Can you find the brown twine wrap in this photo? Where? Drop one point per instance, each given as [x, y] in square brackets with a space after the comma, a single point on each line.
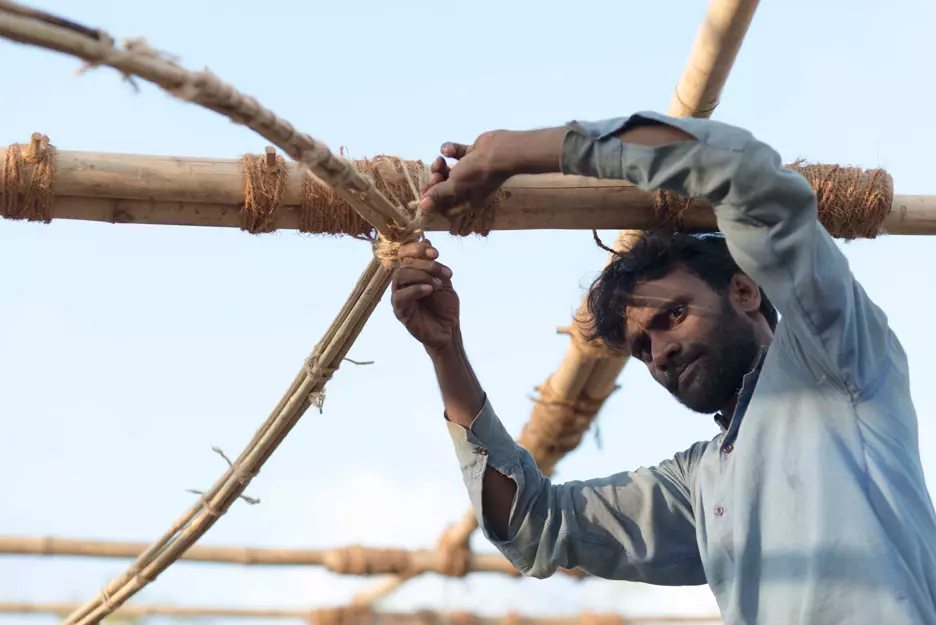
[852, 202]
[556, 425]
[359, 560]
[596, 618]
[324, 212]
[455, 555]
[30, 199]
[463, 618]
[264, 187]
[345, 615]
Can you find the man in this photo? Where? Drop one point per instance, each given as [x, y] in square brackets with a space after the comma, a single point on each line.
[810, 506]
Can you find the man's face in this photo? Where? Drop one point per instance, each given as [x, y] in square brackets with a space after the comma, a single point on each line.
[695, 342]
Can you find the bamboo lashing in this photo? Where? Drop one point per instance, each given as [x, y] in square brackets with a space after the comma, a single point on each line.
[348, 560]
[570, 399]
[163, 190]
[391, 222]
[353, 615]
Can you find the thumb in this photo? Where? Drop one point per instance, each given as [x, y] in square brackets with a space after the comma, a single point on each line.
[456, 150]
[440, 197]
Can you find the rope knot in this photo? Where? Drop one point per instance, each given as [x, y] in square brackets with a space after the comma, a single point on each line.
[31, 197]
[455, 556]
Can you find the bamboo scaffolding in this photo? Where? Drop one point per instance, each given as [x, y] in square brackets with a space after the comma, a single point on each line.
[351, 616]
[138, 59]
[169, 190]
[574, 394]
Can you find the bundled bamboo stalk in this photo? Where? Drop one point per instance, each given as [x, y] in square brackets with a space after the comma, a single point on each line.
[390, 221]
[357, 616]
[169, 190]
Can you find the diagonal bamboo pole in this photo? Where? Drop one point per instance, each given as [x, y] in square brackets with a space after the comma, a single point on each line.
[352, 616]
[138, 59]
[587, 376]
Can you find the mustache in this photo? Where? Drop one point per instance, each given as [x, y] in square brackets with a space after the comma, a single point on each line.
[671, 376]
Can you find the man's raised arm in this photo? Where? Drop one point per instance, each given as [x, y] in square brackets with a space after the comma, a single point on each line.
[769, 217]
[767, 213]
[636, 526]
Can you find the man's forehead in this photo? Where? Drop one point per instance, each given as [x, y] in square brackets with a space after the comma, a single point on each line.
[649, 296]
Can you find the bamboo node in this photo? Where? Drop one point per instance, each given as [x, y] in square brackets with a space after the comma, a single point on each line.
[358, 560]
[31, 198]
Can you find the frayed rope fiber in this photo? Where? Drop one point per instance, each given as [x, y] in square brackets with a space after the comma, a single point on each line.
[853, 202]
[28, 197]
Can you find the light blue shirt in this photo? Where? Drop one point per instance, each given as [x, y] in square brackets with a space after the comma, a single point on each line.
[810, 508]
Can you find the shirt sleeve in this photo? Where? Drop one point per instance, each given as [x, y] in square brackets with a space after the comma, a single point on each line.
[635, 526]
[769, 217]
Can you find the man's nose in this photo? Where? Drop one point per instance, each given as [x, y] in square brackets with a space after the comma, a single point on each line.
[665, 351]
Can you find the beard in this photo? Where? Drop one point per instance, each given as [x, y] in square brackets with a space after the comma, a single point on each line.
[719, 364]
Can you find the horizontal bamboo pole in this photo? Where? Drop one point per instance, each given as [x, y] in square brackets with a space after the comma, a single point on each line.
[353, 560]
[337, 616]
[170, 190]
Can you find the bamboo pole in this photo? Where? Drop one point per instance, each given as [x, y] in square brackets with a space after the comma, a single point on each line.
[171, 190]
[338, 616]
[351, 560]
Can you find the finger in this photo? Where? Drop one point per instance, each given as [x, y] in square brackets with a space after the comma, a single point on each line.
[441, 197]
[456, 150]
[440, 166]
[407, 276]
[429, 266]
[406, 297]
[417, 249]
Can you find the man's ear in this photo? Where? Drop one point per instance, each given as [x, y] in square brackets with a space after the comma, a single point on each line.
[745, 294]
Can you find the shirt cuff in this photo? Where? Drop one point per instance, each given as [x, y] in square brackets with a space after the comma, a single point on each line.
[485, 443]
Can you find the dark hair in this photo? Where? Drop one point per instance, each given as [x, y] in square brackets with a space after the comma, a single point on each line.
[652, 257]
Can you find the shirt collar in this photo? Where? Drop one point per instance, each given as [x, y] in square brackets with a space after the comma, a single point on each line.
[747, 387]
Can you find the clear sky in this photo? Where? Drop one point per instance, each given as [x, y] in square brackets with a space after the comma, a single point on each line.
[126, 352]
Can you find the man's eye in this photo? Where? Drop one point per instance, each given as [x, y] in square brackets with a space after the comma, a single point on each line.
[677, 312]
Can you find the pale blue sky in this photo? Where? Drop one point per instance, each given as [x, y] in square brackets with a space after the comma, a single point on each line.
[126, 352]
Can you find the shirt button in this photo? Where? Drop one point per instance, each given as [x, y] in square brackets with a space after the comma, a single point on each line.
[729, 448]
[719, 511]
[482, 451]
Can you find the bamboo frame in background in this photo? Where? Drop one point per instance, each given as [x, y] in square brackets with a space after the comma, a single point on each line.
[345, 616]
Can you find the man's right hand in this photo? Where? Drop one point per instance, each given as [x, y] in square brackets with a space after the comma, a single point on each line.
[423, 298]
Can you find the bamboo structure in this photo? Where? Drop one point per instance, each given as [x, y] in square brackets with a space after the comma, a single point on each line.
[357, 616]
[324, 193]
[168, 190]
